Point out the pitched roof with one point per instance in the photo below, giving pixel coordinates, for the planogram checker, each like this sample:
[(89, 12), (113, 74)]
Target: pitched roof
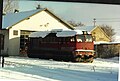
[(87, 28), (14, 18)]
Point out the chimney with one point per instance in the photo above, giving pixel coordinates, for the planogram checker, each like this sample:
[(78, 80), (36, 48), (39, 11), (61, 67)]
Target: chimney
[(38, 6), (16, 11)]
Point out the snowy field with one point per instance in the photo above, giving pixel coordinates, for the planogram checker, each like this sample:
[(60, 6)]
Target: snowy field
[(27, 69)]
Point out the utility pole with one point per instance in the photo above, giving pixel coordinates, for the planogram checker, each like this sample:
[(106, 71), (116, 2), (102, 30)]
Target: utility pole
[(94, 24), (1, 12), (0, 48), (94, 21), (38, 6)]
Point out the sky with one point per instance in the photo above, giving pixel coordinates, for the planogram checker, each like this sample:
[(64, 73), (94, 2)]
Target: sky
[(80, 12)]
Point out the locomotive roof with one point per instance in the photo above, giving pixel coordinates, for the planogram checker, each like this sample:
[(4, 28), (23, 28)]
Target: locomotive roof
[(67, 33), (64, 33), (39, 34)]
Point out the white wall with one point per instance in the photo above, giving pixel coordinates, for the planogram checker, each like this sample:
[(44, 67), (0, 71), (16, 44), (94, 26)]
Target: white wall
[(34, 23), (14, 42), (37, 22)]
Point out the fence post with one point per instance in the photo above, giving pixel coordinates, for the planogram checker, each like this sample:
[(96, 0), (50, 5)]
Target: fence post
[(3, 61), (1, 11), (0, 49), (1, 55)]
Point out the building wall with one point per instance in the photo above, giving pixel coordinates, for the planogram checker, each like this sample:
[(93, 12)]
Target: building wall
[(118, 48), (107, 50), (6, 42), (14, 41), (99, 35), (39, 22)]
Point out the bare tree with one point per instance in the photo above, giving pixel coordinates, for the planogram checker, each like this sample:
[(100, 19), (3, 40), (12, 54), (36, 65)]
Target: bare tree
[(9, 6), (75, 24), (108, 30)]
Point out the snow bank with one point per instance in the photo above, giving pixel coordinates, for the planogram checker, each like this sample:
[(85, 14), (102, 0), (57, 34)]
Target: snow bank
[(49, 70)]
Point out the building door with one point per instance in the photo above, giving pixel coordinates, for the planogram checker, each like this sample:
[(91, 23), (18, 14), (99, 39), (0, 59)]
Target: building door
[(24, 42)]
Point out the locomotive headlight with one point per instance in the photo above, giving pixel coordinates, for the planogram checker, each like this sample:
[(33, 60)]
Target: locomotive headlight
[(80, 54), (77, 52), (87, 55)]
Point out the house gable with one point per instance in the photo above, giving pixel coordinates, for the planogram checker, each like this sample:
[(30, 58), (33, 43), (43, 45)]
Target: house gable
[(99, 35), (60, 20), (10, 20), (42, 21)]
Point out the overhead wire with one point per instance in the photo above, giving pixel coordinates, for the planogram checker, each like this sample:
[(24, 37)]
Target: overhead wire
[(106, 19)]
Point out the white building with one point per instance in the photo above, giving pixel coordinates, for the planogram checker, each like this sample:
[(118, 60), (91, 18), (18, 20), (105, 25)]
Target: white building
[(17, 27)]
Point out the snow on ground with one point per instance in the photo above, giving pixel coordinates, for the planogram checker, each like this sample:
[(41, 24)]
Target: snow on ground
[(28, 69)]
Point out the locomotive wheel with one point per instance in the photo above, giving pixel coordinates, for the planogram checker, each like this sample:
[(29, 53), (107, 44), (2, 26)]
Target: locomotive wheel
[(78, 59), (91, 59)]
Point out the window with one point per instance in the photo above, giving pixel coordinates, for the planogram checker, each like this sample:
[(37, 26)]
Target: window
[(94, 33), (88, 38), (15, 32), (94, 38), (72, 39), (80, 38)]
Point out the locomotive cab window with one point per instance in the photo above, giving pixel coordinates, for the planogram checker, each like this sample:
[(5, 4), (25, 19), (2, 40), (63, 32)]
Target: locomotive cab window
[(88, 38), (80, 38), (72, 39)]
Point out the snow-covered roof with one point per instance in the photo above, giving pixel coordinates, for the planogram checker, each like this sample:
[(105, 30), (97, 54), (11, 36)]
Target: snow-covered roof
[(13, 18), (39, 34), (68, 33), (87, 28), (64, 33)]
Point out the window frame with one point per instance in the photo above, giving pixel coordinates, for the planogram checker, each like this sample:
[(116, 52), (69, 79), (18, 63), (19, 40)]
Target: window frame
[(15, 32)]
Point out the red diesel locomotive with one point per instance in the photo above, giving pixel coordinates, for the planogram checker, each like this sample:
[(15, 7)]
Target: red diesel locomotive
[(66, 45)]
